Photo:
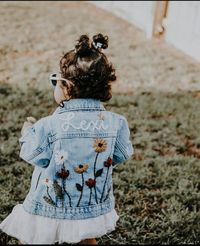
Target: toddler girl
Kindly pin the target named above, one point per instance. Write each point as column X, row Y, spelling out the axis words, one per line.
column 73, row 152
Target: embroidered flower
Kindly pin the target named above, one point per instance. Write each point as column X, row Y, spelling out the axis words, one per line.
column 90, row 183
column 63, row 174
column 47, row 182
column 60, row 157
column 101, row 116
column 108, row 162
column 81, row 168
column 100, row 145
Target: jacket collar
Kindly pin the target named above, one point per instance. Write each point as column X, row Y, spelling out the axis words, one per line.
column 80, row 104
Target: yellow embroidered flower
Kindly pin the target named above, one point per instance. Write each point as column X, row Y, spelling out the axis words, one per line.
column 81, row 168
column 100, row 145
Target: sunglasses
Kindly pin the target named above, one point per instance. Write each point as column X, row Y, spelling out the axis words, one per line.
column 54, row 77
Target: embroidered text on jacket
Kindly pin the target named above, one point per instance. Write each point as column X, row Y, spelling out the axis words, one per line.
column 83, row 125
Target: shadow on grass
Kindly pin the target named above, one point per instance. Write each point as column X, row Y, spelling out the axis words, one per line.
column 157, row 192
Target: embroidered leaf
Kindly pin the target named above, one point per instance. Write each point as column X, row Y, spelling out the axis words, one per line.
column 79, row 187
column 57, row 189
column 48, row 200
column 99, row 172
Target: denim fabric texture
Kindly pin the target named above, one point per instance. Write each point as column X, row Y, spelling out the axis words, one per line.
column 74, row 151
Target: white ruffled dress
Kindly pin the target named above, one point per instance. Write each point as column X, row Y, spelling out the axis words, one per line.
column 36, row 229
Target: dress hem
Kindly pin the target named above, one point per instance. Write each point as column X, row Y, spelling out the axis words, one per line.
column 60, row 241
column 36, row 229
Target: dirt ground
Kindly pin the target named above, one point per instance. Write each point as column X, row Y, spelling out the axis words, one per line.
column 34, row 35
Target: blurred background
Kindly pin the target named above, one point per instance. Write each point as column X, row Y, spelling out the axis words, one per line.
column 154, row 46
column 145, row 40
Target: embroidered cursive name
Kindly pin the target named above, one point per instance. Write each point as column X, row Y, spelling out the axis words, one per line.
column 83, row 125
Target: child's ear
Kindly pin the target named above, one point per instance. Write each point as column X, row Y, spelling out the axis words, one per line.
column 65, row 89
column 66, row 86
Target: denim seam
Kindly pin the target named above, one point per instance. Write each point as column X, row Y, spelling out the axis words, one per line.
column 122, row 149
column 36, row 152
column 71, row 135
column 75, row 213
column 79, row 109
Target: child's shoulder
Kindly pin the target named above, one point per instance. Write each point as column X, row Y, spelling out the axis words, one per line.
column 117, row 115
column 120, row 119
column 43, row 123
column 44, row 120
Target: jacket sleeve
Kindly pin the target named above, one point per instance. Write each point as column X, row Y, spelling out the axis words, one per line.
column 35, row 146
column 123, row 147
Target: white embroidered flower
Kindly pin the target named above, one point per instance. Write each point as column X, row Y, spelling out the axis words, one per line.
column 47, row 182
column 60, row 157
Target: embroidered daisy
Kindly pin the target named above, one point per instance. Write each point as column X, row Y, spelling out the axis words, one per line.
column 100, row 145
column 60, row 157
column 81, row 168
column 47, row 182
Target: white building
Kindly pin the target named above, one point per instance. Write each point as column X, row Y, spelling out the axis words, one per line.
column 178, row 22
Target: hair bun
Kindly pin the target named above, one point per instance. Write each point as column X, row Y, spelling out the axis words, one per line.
column 100, row 41
column 83, row 45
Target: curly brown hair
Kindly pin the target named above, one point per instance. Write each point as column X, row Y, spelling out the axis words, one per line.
column 89, row 69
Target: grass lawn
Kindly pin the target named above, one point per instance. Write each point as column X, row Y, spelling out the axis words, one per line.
column 157, row 192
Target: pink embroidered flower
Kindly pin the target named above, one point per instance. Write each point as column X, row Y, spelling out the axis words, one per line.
column 101, row 116
column 90, row 183
column 108, row 162
column 47, row 182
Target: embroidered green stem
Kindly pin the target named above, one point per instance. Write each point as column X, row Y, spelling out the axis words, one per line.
column 70, row 203
column 90, row 196
column 38, row 180
column 104, row 184
column 95, row 162
column 107, row 195
column 56, row 201
column 81, row 190
column 49, row 195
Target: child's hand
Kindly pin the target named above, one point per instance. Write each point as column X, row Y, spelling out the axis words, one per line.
column 30, row 121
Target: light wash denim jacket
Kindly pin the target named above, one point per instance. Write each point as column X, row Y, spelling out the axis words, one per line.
column 74, row 151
